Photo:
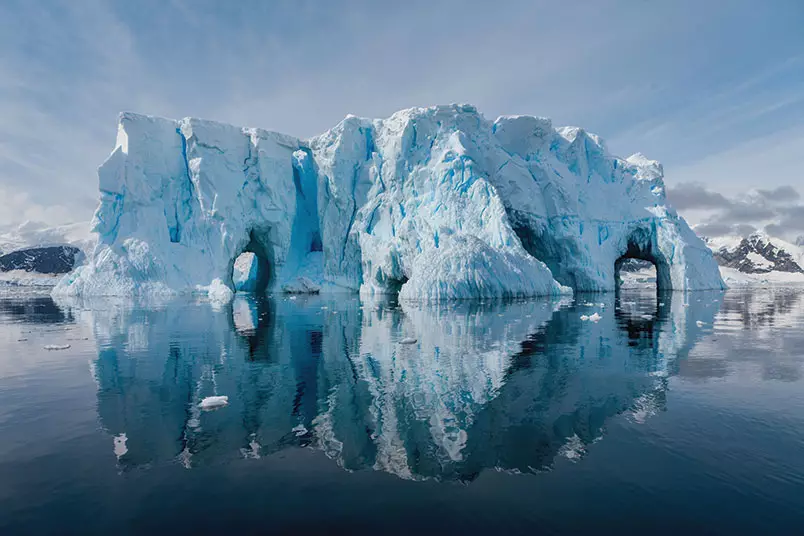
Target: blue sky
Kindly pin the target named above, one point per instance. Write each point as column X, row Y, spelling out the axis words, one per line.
column 713, row 89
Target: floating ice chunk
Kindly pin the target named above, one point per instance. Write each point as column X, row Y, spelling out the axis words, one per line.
column 120, row 447
column 584, row 317
column 219, row 292
column 299, row 430
column 595, row 317
column 408, row 340
column 699, row 323
column 214, row 402
column 56, row 346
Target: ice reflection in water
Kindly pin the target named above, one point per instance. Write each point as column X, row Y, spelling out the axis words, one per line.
column 487, row 385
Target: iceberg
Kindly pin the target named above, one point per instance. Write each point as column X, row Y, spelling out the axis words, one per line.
column 434, row 204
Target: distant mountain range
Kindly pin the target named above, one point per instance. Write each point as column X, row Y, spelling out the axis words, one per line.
column 36, row 234
column 757, row 253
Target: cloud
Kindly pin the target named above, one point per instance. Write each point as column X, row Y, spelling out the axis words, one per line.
column 744, row 213
column 714, row 228
column 782, row 194
column 693, row 195
column 791, row 219
column 699, row 101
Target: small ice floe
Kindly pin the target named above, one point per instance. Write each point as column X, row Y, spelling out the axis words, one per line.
column 299, row 430
column 324, row 307
column 584, row 317
column 56, row 346
column 214, row 402
column 120, row 447
column 646, row 317
column 292, row 298
column 408, row 340
column 699, row 323
column 591, row 318
column 589, row 304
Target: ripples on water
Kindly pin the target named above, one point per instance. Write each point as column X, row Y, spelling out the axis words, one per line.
column 682, row 412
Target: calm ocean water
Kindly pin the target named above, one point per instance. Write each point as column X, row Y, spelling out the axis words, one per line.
column 682, row 413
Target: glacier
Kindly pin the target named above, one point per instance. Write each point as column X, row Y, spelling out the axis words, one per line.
column 433, row 203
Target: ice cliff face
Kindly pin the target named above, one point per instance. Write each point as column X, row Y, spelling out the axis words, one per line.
column 435, row 203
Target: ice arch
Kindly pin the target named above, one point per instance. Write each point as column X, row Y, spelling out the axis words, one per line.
column 252, row 269
column 641, row 245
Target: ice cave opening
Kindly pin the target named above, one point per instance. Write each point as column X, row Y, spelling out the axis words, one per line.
column 252, row 270
column 640, row 267
column 633, row 273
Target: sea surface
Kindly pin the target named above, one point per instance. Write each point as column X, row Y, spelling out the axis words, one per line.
column 670, row 414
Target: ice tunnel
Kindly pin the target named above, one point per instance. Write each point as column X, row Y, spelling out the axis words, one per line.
column 252, row 270
column 641, row 248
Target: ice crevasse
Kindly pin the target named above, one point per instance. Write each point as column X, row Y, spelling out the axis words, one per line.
column 432, row 203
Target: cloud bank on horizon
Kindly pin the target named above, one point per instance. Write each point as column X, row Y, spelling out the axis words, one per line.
column 714, row 90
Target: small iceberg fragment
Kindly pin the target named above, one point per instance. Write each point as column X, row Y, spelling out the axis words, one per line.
column 408, row 340
column 299, row 430
column 120, row 448
column 591, row 318
column 56, row 346
column 699, row 323
column 214, row 402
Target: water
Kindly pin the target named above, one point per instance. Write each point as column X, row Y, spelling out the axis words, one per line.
column 682, row 413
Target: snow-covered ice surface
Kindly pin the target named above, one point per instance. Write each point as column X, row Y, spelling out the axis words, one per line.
column 736, row 278
column 434, row 203
column 14, row 279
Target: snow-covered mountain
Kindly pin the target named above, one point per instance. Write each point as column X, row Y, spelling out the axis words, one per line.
column 37, row 235
column 757, row 253
column 758, row 259
column 431, row 203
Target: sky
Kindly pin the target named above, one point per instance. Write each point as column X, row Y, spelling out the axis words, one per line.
column 714, row 90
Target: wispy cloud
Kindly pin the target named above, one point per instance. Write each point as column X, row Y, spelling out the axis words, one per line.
column 776, row 210
column 687, row 82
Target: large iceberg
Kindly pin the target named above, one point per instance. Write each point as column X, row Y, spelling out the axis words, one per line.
column 431, row 203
